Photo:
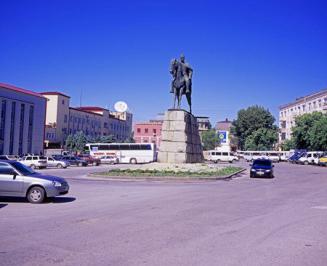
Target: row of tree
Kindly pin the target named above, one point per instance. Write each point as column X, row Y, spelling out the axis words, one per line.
column 253, row 129
column 76, row 142
column 309, row 132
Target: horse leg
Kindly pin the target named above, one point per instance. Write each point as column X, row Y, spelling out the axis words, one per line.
column 180, row 95
column 174, row 96
column 189, row 100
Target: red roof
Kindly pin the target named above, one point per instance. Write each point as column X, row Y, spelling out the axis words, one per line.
column 14, row 88
column 54, row 93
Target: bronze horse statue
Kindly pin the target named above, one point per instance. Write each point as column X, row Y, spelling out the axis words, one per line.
column 182, row 82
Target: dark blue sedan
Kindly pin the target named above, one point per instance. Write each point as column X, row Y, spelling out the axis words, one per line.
column 262, row 168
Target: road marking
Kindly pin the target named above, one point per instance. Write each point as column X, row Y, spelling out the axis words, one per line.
column 319, row 207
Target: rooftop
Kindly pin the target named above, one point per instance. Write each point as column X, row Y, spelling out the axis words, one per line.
column 304, row 98
column 54, row 93
column 91, row 108
column 21, row 90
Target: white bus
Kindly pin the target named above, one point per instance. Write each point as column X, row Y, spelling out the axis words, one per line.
column 125, row 152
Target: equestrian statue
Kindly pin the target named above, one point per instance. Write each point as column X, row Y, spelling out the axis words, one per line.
column 182, row 81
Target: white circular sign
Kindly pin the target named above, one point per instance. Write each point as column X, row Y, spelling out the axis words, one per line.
column 121, row 106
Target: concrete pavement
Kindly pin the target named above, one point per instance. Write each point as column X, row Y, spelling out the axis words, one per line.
column 281, row 221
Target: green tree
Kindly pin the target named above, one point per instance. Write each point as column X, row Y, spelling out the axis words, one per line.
column 318, row 135
column 288, row 145
column 70, row 143
column 80, row 141
column 262, row 139
column 210, row 139
column 249, row 121
column 310, row 131
column 302, row 132
column 130, row 139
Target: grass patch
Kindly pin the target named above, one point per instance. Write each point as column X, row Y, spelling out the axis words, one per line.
column 226, row 171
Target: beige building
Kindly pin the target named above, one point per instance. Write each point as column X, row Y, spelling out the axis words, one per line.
column 203, row 123
column 307, row 104
column 63, row 120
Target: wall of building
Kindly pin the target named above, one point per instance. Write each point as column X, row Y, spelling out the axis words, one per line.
column 22, row 118
column 148, row 132
column 93, row 121
column 308, row 104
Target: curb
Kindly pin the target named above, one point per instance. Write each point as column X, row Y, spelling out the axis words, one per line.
column 94, row 176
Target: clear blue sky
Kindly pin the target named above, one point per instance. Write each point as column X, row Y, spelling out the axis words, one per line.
column 242, row 52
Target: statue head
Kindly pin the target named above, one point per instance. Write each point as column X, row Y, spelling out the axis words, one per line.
column 182, row 58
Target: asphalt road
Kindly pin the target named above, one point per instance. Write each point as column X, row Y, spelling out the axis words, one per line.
column 281, row 221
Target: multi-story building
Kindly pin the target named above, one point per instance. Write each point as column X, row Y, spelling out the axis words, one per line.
column 307, row 104
column 148, row 132
column 22, row 119
column 203, row 123
column 63, row 120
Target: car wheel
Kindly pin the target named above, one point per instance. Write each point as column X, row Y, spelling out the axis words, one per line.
column 36, row 195
column 59, row 165
column 133, row 161
column 306, row 163
column 33, row 166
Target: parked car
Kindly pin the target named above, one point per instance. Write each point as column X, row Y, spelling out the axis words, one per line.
column 72, row 160
column 323, row 160
column 52, row 162
column 262, row 168
column 89, row 159
column 218, row 156
column 34, row 161
column 109, row 159
column 9, row 157
column 18, row 180
column 308, row 158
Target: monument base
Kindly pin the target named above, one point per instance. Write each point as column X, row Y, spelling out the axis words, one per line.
column 180, row 139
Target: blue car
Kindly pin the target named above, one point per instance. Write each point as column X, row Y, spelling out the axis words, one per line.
column 262, row 168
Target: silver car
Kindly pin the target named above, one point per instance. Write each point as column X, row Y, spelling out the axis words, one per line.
column 18, row 180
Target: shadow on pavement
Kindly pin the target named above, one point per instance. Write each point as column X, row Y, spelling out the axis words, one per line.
column 61, row 200
column 24, row 200
column 13, row 199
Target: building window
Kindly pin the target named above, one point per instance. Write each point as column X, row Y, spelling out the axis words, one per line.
column 3, row 124
column 21, row 128
column 65, row 119
column 30, row 129
column 146, row 130
column 63, row 102
column 12, row 127
column 154, row 131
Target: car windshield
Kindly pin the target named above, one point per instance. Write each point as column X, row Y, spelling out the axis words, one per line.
column 24, row 170
column 262, row 163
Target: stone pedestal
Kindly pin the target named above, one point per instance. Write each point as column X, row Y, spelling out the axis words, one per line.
column 180, row 139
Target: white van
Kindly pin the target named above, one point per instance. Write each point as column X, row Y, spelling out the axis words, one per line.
column 273, row 156
column 309, row 157
column 222, row 156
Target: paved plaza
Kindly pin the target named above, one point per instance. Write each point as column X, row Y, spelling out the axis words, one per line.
column 242, row 221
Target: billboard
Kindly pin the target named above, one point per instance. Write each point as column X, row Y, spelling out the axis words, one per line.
column 223, row 136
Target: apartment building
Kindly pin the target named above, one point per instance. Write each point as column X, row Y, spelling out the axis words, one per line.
column 148, row 132
column 203, row 123
column 307, row 104
column 22, row 118
column 63, row 120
